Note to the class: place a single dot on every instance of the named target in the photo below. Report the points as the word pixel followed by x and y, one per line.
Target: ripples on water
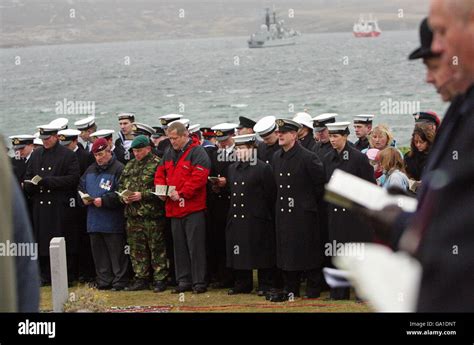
pixel 216 80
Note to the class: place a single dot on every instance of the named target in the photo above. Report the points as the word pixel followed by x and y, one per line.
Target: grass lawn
pixel 212 301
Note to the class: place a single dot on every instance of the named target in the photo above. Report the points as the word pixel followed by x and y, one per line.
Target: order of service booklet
pixel 347 190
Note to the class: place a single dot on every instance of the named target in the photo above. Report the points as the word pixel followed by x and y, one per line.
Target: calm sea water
pixel 216 80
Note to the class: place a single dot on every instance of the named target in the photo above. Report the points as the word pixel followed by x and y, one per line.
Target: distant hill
pixel 32 22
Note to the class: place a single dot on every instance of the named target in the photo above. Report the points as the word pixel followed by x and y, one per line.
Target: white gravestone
pixel 59 284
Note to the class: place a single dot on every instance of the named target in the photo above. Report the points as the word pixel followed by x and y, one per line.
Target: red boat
pixel 366 28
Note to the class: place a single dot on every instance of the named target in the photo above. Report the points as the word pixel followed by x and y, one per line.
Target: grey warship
pixel 272 33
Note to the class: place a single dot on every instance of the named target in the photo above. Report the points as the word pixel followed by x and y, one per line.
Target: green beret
pixel 140 141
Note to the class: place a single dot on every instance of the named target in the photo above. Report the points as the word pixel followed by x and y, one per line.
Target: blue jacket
pixel 102 181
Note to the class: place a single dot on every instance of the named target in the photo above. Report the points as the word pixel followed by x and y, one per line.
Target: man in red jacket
pixel 186 167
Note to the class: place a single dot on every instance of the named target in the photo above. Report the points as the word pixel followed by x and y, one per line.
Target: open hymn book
pixel 347 190
pixel 125 193
pixel 35 180
pixel 85 196
pixel 163 190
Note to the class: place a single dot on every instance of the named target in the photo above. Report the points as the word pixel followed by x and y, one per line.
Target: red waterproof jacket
pixel 187 170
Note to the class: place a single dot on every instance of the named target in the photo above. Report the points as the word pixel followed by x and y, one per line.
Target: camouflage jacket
pixel 138 176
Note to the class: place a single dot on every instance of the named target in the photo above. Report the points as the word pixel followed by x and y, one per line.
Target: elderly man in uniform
pixel 305 134
pixel 23 146
pixel 58 168
pixel 319 124
pixel 299 176
pixel 87 126
pixel 362 127
pixel 144 212
pixel 266 129
pixel 439 234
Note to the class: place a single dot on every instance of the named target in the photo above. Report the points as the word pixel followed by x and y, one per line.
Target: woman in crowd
pixel 421 141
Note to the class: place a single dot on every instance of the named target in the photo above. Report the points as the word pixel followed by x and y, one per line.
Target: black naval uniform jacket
pixel 59 168
pixel 76 217
pixel 299 177
pixel 309 143
pixel 322 149
pixel 265 152
pixel 85 159
pixel 250 231
pixel 344 226
pixel 19 168
pixel 362 144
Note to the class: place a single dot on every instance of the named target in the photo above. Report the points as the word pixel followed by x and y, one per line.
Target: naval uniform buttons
pixel 241 194
pixel 42 169
pixel 235 183
pixel 41 191
pixel 49 191
pixel 281 186
pixel 49 202
pixel 267 162
pixel 228 197
pixel 235 216
pixel 281 198
pixel 242 205
pixel 243 183
pixel 243 216
pixel 343 210
pixel 49 168
pixel 335 210
pixel 288 174
pixel 281 174
pixel 41 203
pixel 235 205
pixel 282 210
pixel 288 186
pixel 235 194
pixel 289 210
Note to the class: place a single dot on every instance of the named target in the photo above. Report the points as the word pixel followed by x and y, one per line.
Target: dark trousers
pixel 45 269
pixel 111 263
pixel 243 280
pixel 217 216
pixel 189 240
pixel 340 293
pixel 169 251
pixel 314 280
pixel 267 278
pixel 86 269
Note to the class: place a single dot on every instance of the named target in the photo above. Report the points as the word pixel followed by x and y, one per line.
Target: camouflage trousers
pixel 147 247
